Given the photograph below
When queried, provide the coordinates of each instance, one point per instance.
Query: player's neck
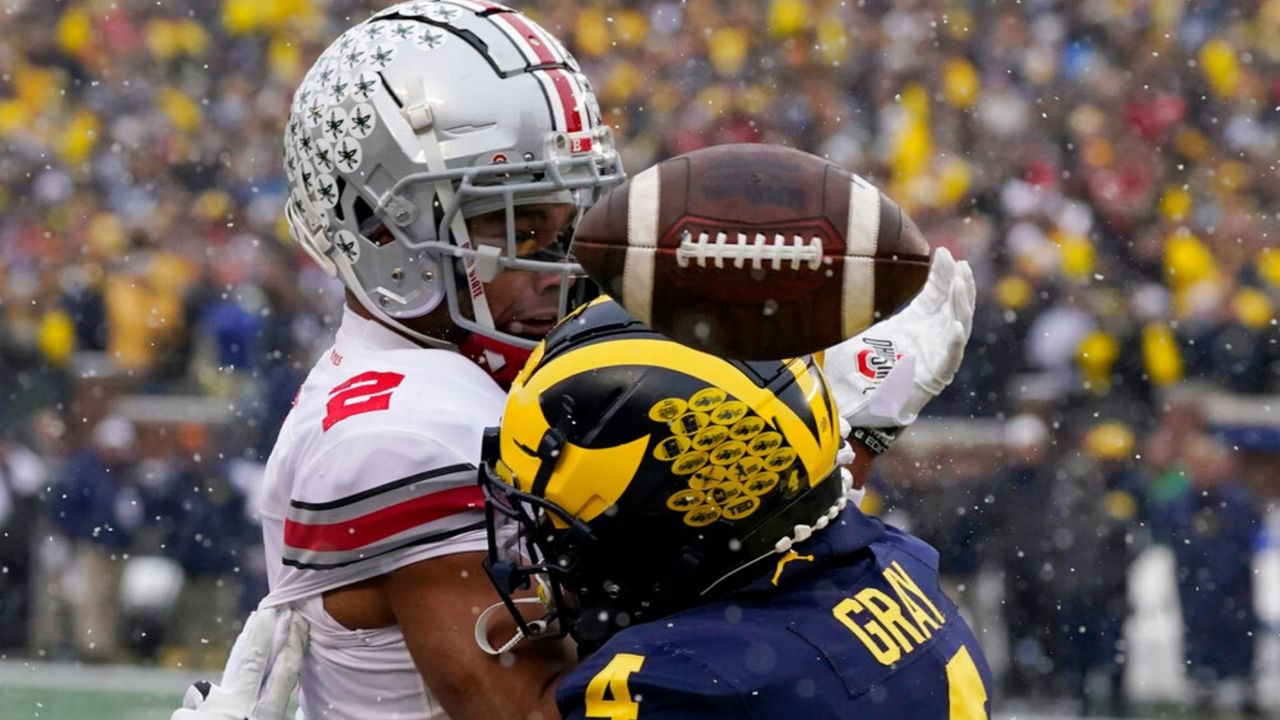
(434, 324)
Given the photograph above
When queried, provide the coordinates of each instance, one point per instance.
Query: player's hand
(885, 376)
(255, 684)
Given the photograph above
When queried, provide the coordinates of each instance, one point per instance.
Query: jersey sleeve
(651, 683)
(376, 494)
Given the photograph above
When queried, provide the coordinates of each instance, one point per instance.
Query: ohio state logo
(876, 361)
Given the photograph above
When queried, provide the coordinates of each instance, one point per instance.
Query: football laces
(757, 249)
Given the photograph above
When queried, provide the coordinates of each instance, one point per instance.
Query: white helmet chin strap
(539, 626)
(486, 619)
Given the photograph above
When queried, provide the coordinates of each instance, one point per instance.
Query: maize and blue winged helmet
(633, 476)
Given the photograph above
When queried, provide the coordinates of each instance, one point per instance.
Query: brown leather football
(753, 251)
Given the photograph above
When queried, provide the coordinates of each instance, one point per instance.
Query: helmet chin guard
(419, 118)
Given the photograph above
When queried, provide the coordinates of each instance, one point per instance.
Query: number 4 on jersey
(608, 695)
(968, 698)
(366, 392)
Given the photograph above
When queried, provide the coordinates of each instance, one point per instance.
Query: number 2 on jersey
(366, 392)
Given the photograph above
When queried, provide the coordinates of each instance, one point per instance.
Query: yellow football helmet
(642, 476)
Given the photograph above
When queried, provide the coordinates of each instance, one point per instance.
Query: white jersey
(374, 469)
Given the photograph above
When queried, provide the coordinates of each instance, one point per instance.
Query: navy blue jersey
(850, 624)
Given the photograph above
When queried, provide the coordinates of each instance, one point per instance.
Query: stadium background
(1108, 167)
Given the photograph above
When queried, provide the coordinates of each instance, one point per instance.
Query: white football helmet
(425, 114)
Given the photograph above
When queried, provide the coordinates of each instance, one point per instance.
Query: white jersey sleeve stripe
(438, 531)
(391, 493)
(421, 515)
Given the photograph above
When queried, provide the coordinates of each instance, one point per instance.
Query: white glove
(886, 375)
(255, 686)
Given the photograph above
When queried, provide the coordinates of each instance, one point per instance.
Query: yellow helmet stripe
(813, 385)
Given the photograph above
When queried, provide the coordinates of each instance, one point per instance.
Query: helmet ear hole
(371, 227)
(338, 211)
(437, 211)
(363, 215)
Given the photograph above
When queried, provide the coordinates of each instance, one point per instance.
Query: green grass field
(65, 691)
(19, 703)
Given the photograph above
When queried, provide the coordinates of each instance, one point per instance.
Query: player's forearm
(436, 604)
(517, 686)
(863, 459)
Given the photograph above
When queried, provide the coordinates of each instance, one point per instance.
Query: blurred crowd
(130, 552)
(1109, 169)
(1058, 527)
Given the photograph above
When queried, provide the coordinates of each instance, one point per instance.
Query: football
(752, 251)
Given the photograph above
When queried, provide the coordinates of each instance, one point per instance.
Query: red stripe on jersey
(382, 523)
(568, 100)
(530, 37)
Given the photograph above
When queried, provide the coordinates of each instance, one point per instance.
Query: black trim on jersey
(478, 525)
(393, 485)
